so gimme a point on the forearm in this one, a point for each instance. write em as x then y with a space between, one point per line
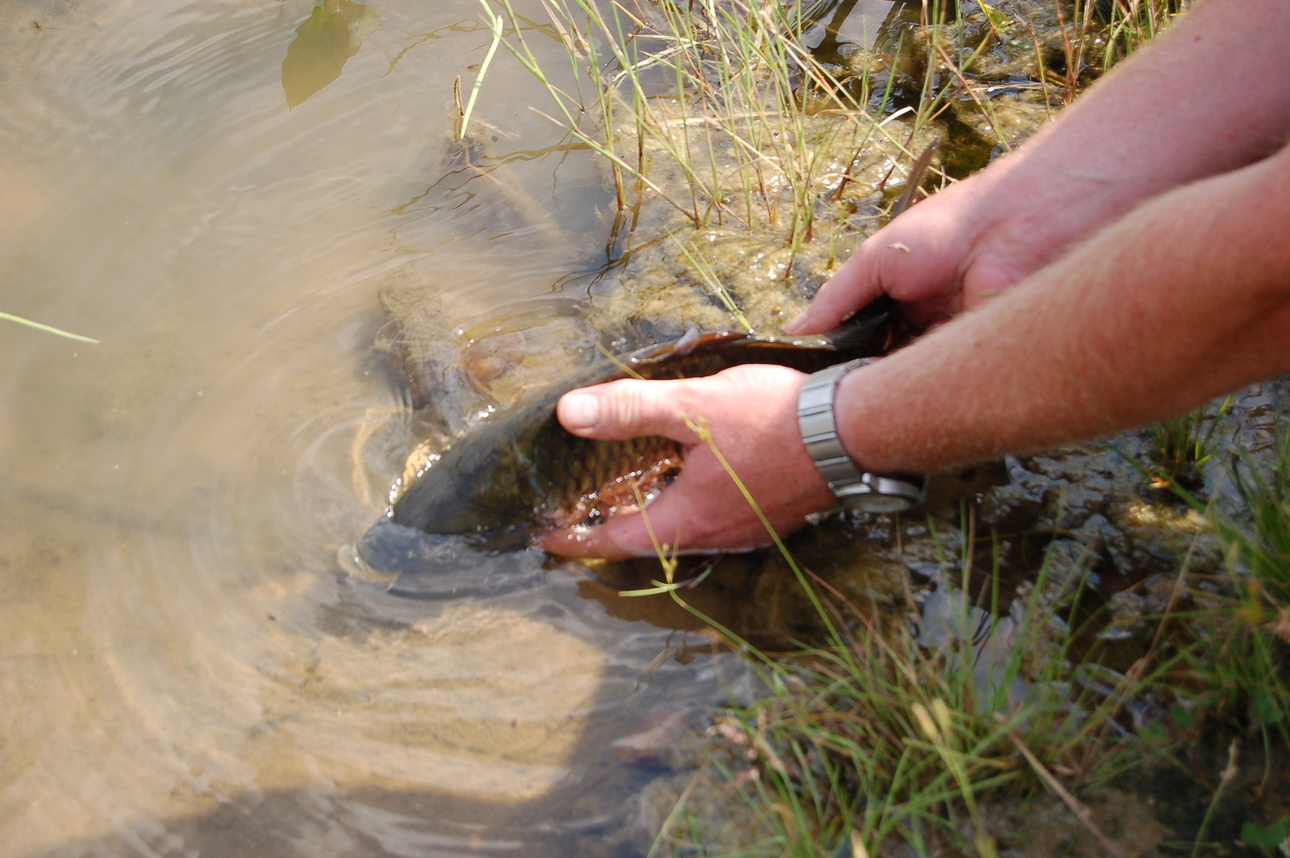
1185 298
1206 97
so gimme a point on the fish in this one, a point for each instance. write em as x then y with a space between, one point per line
469 510
519 470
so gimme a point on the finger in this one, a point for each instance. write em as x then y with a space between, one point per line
854 285
657 531
672 524
628 408
622 537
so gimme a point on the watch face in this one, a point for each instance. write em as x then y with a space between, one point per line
871 502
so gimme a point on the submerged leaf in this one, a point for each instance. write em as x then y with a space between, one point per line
998 21
333 32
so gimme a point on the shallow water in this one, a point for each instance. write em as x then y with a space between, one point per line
184 668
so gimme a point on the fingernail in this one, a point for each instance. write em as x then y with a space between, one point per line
579 412
796 323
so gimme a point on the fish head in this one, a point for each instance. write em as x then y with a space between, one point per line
446 565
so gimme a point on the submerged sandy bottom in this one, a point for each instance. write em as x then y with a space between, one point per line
183 666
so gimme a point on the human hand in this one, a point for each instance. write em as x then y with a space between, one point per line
749 414
944 255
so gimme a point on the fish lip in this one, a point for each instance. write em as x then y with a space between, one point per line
416 564
356 568
388 548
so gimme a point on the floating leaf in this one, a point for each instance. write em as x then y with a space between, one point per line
333 32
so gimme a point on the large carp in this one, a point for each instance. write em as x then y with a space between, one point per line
519 470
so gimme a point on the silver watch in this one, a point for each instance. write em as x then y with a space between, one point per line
853 488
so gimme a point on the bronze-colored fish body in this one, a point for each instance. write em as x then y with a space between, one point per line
518 469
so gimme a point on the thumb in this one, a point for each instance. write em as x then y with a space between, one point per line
625 409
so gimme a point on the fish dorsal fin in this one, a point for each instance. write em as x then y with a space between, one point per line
687 342
864 324
693 341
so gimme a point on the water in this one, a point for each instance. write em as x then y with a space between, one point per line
217 191
184 668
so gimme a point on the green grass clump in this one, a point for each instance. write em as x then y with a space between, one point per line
714 108
1133 23
718 110
889 740
1181 447
887 737
885 740
1245 663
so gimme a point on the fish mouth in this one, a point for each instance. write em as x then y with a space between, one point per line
388 549
410 562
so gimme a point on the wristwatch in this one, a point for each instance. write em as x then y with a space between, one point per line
853 488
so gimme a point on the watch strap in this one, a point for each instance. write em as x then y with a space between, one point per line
851 486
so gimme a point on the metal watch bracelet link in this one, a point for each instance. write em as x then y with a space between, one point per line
852 487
